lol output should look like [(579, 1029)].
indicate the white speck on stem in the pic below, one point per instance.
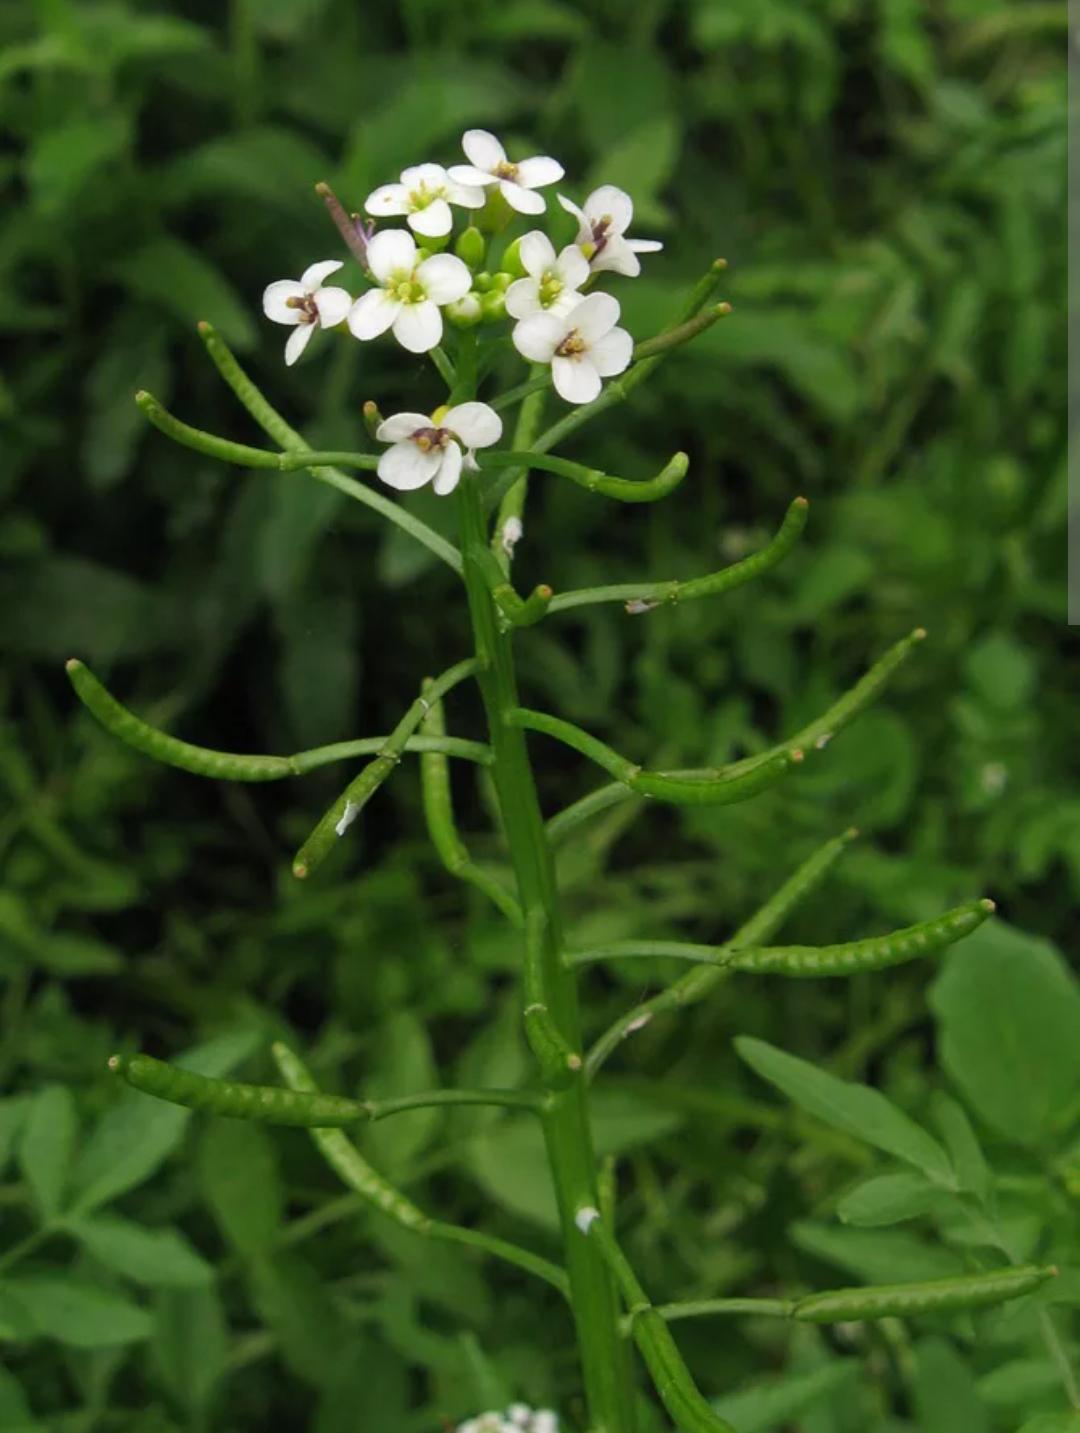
[(586, 1217), (637, 605), (823, 740), (512, 532), (348, 816), (638, 1023)]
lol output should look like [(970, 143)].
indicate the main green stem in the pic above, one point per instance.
[(565, 1121)]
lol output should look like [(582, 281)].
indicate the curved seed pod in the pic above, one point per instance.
[(208, 443), (975, 1291), (264, 1103), (224, 765), (877, 953), (625, 490)]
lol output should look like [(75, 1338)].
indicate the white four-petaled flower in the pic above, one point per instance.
[(424, 195), (428, 450), (304, 303), (517, 183), (409, 294), (602, 225), (553, 282), (583, 346)]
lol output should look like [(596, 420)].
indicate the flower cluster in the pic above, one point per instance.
[(517, 1419), (416, 285)]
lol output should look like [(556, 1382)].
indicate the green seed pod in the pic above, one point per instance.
[(511, 260), (471, 247), (877, 953), (976, 1291), (222, 765), (264, 1103)]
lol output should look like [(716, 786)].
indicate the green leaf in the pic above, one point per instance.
[(47, 1146), (13, 1111), (1008, 1014), (240, 1180), (945, 1394), (190, 1345), (770, 1406), (856, 1109), (15, 1413), (63, 159), (1052, 1423), (296, 1304), (641, 162), (404, 1062), (972, 1171), (138, 1133), (178, 279), (1001, 671), (877, 1256), (159, 1258), (78, 1314), (1020, 1383), (887, 1199)]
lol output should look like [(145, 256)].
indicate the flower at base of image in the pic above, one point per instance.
[(424, 196), (583, 346), (602, 224), (553, 280), (428, 450), (410, 292), (518, 1418), (517, 183), (304, 302)]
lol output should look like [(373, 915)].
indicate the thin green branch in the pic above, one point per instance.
[(509, 523), (638, 597), (344, 810), (517, 611), (593, 480), (706, 1308), (273, 424), (439, 814), (239, 766), (565, 822), (348, 1163)]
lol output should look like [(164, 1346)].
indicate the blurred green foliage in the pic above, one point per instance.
[(886, 180)]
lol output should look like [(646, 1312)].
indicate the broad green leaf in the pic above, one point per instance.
[(1001, 671), (878, 1256), (138, 1133), (178, 279), (773, 1405), (47, 1146), (1052, 1423), (13, 1111), (15, 1412), (946, 1397), (78, 1314), (159, 1258), (641, 162), (264, 165), (856, 1109), (887, 1199), (63, 159), (972, 1171), (1008, 1014), (404, 1062), (296, 1304), (190, 1344), (240, 1180), (1021, 1383), (69, 954)]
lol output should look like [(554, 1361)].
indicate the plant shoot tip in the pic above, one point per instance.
[(72, 664), (114, 1062), (851, 833), (546, 592), (722, 310), (987, 904), (800, 502), (719, 265), (797, 753), (204, 328), (919, 634), (299, 870)]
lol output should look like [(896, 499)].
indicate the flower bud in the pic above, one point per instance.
[(372, 418), (471, 247), (482, 281), (493, 305), (465, 312), (511, 260), (501, 281)]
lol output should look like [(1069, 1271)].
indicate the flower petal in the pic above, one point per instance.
[(612, 353), (616, 257), (391, 251), (612, 204), (372, 314), (400, 426), (584, 227), (275, 301), (433, 220), (537, 253), (405, 466), (575, 379), (525, 201), (594, 316), (538, 336), (477, 425), (388, 200), (444, 277), (333, 305), (433, 175), (468, 196), (446, 479), (645, 246), (540, 170), (314, 274), (523, 298), (470, 176), (297, 341), (572, 267), (482, 149), (418, 327)]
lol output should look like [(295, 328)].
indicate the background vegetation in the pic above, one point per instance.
[(886, 179)]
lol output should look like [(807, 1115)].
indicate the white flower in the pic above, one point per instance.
[(425, 194), (582, 346), (603, 222), (488, 164), (410, 294), (304, 303), (428, 450), (553, 282)]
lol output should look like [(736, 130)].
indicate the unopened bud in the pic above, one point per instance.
[(471, 247), (511, 260), (501, 281), (372, 418), (493, 305), (465, 312)]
